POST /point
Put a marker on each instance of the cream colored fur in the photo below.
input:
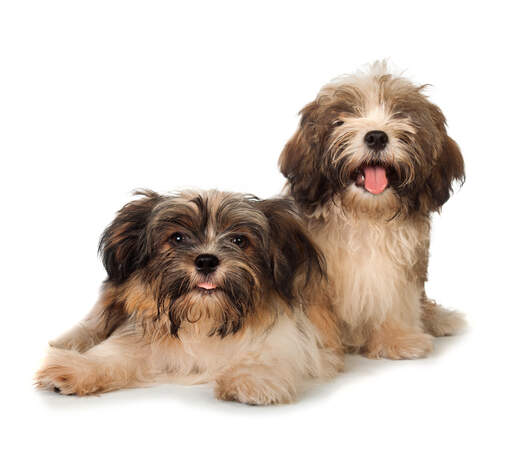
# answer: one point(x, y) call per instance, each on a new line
point(369, 267)
point(376, 246)
point(263, 364)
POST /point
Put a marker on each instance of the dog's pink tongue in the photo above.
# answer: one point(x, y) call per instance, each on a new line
point(207, 286)
point(375, 179)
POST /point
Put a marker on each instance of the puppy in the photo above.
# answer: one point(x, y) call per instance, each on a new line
point(203, 287)
point(368, 165)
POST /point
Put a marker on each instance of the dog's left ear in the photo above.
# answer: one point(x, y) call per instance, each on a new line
point(294, 259)
point(449, 167)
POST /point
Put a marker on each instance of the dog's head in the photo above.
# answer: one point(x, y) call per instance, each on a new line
point(209, 255)
point(374, 141)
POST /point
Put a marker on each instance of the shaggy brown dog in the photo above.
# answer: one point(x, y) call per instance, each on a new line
point(369, 163)
point(203, 287)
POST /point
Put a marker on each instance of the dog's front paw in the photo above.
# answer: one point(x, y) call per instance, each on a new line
point(57, 378)
point(66, 372)
point(400, 346)
point(252, 391)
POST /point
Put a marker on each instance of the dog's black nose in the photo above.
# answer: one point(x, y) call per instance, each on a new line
point(376, 140)
point(206, 263)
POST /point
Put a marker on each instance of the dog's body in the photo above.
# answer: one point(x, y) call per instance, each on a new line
point(370, 162)
point(203, 287)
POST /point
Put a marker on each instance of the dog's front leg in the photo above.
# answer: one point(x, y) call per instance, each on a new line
point(118, 362)
point(255, 383)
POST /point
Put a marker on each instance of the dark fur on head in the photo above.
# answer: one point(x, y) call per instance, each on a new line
point(274, 256)
point(321, 161)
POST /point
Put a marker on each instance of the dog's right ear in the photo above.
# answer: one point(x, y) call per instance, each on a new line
point(300, 160)
point(122, 244)
point(294, 259)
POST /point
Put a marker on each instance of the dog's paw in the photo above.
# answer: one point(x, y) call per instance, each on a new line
point(58, 379)
point(399, 347)
point(248, 390)
point(65, 372)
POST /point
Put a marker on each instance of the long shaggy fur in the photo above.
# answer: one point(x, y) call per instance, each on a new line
point(376, 246)
point(252, 326)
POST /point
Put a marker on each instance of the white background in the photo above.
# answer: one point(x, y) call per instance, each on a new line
point(100, 97)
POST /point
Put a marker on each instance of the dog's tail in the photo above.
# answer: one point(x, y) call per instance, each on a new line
point(439, 321)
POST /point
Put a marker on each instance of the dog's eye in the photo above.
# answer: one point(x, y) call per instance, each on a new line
point(177, 238)
point(240, 241)
point(337, 123)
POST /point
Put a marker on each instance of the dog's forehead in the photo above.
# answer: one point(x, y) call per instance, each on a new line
point(209, 211)
point(176, 207)
point(235, 212)
point(373, 93)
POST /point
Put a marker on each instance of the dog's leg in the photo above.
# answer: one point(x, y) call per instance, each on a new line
point(119, 361)
point(101, 321)
point(394, 341)
point(274, 369)
point(255, 383)
point(439, 321)
point(270, 370)
point(329, 335)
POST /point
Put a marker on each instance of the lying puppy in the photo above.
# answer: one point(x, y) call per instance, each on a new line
point(203, 287)
point(369, 163)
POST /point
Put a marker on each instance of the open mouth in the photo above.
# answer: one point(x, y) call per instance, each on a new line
point(373, 177)
point(207, 287)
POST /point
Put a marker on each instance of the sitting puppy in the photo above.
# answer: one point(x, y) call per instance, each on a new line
point(369, 163)
point(203, 287)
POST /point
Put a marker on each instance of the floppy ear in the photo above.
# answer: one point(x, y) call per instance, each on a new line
point(449, 167)
point(300, 160)
point(294, 259)
point(122, 244)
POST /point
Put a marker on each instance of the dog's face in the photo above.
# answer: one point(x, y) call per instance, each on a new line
point(209, 255)
point(376, 142)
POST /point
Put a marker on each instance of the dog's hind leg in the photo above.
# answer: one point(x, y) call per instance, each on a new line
point(99, 324)
point(439, 321)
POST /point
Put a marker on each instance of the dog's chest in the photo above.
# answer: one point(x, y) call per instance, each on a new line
point(371, 265)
